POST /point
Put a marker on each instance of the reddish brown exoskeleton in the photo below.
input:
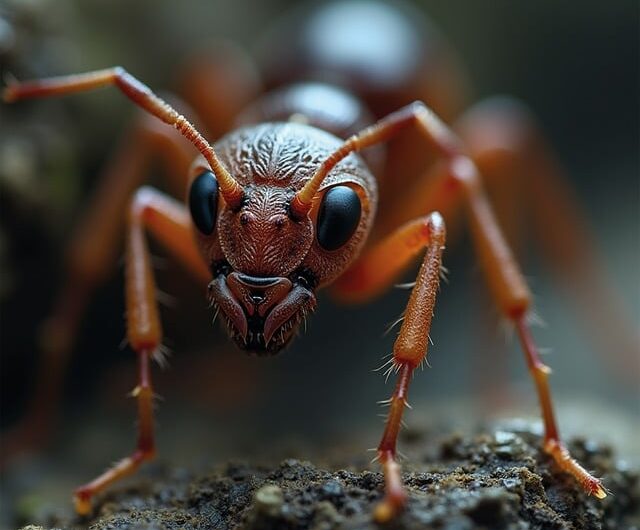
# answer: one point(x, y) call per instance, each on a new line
point(282, 205)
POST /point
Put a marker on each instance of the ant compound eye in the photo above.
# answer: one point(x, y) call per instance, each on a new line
point(203, 202)
point(338, 217)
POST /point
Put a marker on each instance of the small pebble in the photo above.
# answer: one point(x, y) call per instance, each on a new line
point(269, 500)
point(332, 489)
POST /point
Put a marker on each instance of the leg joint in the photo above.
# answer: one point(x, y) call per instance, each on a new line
point(436, 230)
point(144, 201)
point(463, 172)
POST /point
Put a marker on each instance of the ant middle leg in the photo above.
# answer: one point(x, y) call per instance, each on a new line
point(506, 143)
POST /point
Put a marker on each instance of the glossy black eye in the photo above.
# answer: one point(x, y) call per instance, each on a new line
point(338, 217)
point(203, 202)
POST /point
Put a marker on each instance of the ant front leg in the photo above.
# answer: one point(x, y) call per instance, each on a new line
point(89, 260)
point(92, 251)
point(170, 223)
point(506, 282)
point(376, 269)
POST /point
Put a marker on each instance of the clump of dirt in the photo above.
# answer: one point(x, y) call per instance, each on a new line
point(498, 481)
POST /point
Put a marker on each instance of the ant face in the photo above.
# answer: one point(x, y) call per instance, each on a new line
point(266, 264)
point(257, 287)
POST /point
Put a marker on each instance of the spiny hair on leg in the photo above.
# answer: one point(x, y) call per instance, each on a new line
point(161, 355)
point(393, 324)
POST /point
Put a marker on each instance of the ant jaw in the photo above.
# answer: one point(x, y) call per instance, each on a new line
point(285, 318)
point(255, 326)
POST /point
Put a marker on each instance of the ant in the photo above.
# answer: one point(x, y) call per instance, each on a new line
point(285, 202)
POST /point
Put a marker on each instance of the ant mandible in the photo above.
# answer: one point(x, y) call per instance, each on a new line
point(283, 205)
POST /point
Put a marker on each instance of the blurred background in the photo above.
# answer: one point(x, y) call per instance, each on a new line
point(576, 66)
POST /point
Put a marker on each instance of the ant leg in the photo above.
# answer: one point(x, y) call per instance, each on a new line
point(507, 147)
point(512, 296)
point(506, 282)
point(410, 348)
point(145, 447)
point(169, 222)
point(375, 271)
point(505, 141)
point(89, 259)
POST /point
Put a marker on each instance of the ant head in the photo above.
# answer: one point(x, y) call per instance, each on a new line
point(267, 262)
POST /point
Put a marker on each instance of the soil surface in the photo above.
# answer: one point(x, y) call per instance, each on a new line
point(492, 481)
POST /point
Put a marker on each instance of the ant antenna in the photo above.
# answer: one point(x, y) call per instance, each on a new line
point(142, 96)
point(303, 199)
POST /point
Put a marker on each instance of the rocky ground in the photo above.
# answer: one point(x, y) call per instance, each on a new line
point(492, 481)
